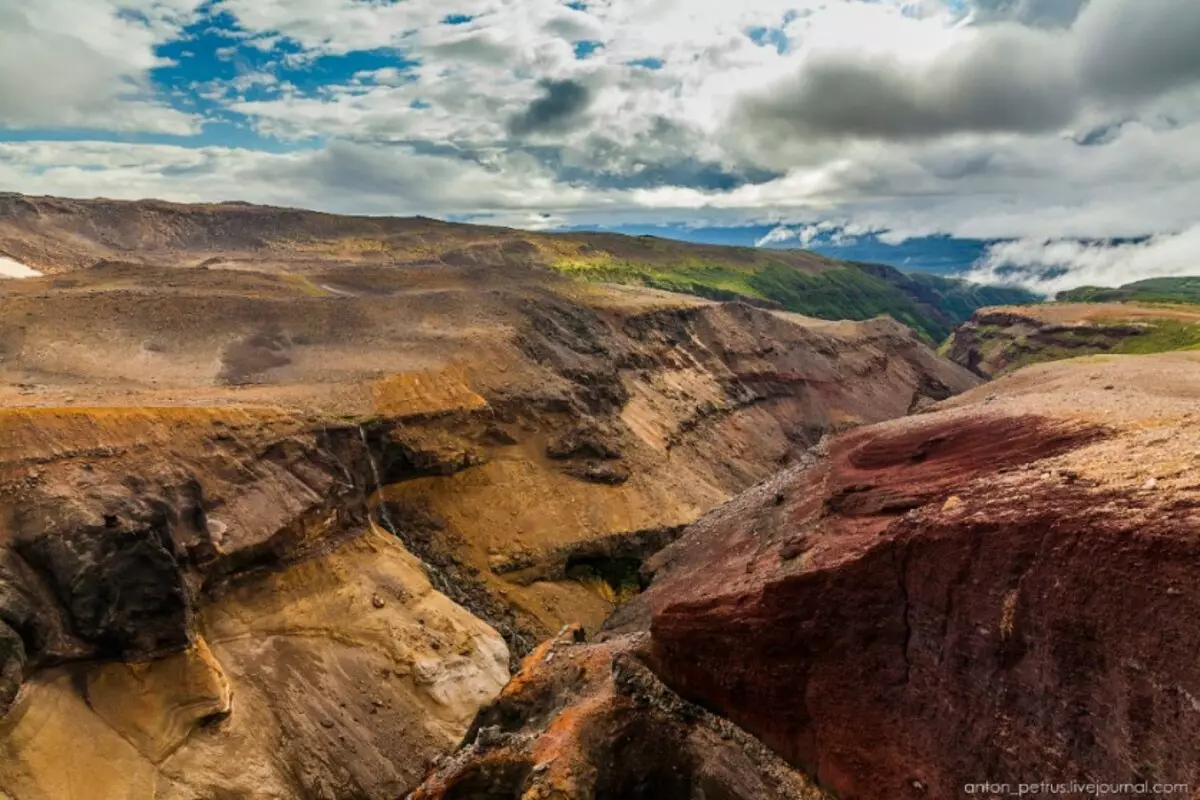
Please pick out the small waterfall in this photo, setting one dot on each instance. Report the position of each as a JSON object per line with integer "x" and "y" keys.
{"x": 384, "y": 515}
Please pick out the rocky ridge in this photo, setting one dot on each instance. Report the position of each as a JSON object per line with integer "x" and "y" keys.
{"x": 333, "y": 254}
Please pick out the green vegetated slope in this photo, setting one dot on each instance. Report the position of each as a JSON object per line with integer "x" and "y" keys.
{"x": 998, "y": 341}
{"x": 796, "y": 280}
{"x": 1154, "y": 290}
{"x": 1154, "y": 336}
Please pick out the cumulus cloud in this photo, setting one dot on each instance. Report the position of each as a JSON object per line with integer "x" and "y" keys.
{"x": 833, "y": 233}
{"x": 1052, "y": 266}
{"x": 80, "y": 64}
{"x": 1009, "y": 82}
{"x": 343, "y": 177}
{"x": 778, "y": 235}
{"x": 1131, "y": 50}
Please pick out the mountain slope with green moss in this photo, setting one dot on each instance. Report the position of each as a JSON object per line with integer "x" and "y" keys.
{"x": 794, "y": 280}
{"x": 1154, "y": 290}
{"x": 997, "y": 341}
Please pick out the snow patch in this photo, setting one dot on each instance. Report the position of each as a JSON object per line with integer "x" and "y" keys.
{"x": 15, "y": 269}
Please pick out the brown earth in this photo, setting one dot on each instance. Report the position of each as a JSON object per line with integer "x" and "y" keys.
{"x": 345, "y": 256}
{"x": 58, "y": 235}
{"x": 280, "y": 535}
{"x": 999, "y": 591}
{"x": 284, "y": 497}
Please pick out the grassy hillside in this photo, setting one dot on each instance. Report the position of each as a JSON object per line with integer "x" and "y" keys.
{"x": 1157, "y": 336}
{"x": 998, "y": 341}
{"x": 1154, "y": 290}
{"x": 793, "y": 280}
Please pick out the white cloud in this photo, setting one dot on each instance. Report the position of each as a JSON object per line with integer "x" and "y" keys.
{"x": 778, "y": 235}
{"x": 833, "y": 233}
{"x": 1052, "y": 266}
{"x": 342, "y": 177}
{"x": 84, "y": 64}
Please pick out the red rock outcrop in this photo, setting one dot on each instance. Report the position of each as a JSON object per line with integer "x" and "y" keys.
{"x": 1000, "y": 592}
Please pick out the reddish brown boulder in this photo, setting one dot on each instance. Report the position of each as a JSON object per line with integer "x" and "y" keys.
{"x": 977, "y": 595}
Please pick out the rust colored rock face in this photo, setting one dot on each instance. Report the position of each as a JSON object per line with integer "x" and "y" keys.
{"x": 939, "y": 602}
{"x": 592, "y": 722}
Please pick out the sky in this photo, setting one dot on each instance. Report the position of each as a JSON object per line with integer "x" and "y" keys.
{"x": 1064, "y": 135}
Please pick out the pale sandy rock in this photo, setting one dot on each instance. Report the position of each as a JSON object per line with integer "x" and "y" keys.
{"x": 300, "y": 688}
{"x": 52, "y": 746}
{"x": 156, "y": 705}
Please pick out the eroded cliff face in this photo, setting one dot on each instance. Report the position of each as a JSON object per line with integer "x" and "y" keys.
{"x": 996, "y": 592}
{"x": 261, "y": 542}
{"x": 201, "y": 606}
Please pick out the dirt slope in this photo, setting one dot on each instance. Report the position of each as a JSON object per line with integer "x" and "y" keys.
{"x": 57, "y": 235}
{"x": 327, "y": 253}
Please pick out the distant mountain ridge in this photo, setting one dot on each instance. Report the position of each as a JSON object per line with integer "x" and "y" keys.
{"x": 56, "y": 235}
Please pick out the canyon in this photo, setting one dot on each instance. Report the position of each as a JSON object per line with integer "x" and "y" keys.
{"x": 995, "y": 592}
{"x": 298, "y": 506}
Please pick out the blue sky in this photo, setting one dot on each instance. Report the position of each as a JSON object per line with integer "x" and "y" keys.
{"x": 215, "y": 60}
{"x": 1055, "y": 124}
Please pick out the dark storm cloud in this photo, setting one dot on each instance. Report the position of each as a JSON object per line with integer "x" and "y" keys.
{"x": 665, "y": 153}
{"x": 601, "y": 163}
{"x": 1046, "y": 13}
{"x": 559, "y": 109}
{"x": 1137, "y": 48}
{"x": 1008, "y": 83}
{"x": 684, "y": 172}
{"x": 1012, "y": 78}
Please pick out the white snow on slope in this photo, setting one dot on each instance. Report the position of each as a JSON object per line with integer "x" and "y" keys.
{"x": 15, "y": 269}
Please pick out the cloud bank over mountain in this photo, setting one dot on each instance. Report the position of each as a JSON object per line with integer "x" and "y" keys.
{"x": 1052, "y": 266}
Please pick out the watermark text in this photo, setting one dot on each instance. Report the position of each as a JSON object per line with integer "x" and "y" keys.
{"x": 1077, "y": 789}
